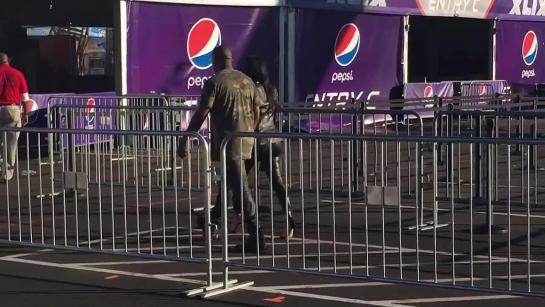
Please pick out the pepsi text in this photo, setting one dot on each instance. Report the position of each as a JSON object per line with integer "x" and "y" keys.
{"x": 530, "y": 73}
{"x": 342, "y": 77}
{"x": 197, "y": 81}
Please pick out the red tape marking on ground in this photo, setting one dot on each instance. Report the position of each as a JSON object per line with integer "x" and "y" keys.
{"x": 278, "y": 299}
{"x": 111, "y": 277}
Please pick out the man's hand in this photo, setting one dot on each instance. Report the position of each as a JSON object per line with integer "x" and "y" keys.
{"x": 24, "y": 118}
{"x": 182, "y": 148}
{"x": 26, "y": 109}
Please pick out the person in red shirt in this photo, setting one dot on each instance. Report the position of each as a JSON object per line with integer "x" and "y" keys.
{"x": 13, "y": 91}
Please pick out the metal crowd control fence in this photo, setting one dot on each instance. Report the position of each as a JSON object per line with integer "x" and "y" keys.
{"x": 153, "y": 112}
{"x": 83, "y": 204}
{"x": 146, "y": 113}
{"x": 476, "y": 89}
{"x": 355, "y": 121}
{"x": 424, "y": 107}
{"x": 87, "y": 118}
{"x": 370, "y": 118}
{"x": 137, "y": 119}
{"x": 379, "y": 237}
{"x": 521, "y": 125}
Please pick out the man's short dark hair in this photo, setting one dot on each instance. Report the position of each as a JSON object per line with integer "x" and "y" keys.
{"x": 222, "y": 52}
{"x": 4, "y": 58}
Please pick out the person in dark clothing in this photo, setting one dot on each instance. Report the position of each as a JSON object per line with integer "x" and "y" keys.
{"x": 230, "y": 98}
{"x": 269, "y": 150}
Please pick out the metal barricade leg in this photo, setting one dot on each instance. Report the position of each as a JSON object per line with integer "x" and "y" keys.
{"x": 227, "y": 285}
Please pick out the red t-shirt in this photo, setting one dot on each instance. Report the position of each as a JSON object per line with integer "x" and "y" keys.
{"x": 12, "y": 85}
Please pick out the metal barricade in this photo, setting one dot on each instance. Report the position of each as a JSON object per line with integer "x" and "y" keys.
{"x": 190, "y": 102}
{"x": 353, "y": 120}
{"x": 522, "y": 125}
{"x": 379, "y": 236}
{"x": 80, "y": 112}
{"x": 99, "y": 112}
{"x": 476, "y": 89}
{"x": 424, "y": 107}
{"x": 146, "y": 113}
{"x": 83, "y": 204}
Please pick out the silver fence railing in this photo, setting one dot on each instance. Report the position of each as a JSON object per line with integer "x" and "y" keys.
{"x": 451, "y": 203}
{"x": 121, "y": 112}
{"x": 353, "y": 121}
{"x": 476, "y": 89}
{"x": 87, "y": 118}
{"x": 143, "y": 113}
{"x": 166, "y": 118}
{"x": 523, "y": 125}
{"x": 374, "y": 232}
{"x": 422, "y": 105}
{"x": 99, "y": 112}
{"x": 84, "y": 204}
{"x": 360, "y": 119}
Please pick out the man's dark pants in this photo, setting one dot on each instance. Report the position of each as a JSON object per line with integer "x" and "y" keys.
{"x": 237, "y": 183}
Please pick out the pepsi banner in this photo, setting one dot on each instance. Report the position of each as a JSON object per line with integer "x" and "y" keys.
{"x": 484, "y": 9}
{"x": 425, "y": 90}
{"x": 170, "y": 45}
{"x": 446, "y": 89}
{"x": 428, "y": 90}
{"x": 417, "y": 93}
{"x": 342, "y": 56}
{"x": 520, "y": 48}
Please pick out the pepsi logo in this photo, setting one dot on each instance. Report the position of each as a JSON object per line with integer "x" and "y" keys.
{"x": 428, "y": 92}
{"x": 89, "y": 111}
{"x": 529, "y": 48}
{"x": 203, "y": 37}
{"x": 482, "y": 90}
{"x": 347, "y": 44}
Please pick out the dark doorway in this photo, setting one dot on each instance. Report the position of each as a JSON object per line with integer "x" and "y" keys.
{"x": 62, "y": 45}
{"x": 448, "y": 48}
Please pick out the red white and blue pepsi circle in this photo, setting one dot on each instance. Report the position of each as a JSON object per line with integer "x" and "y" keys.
{"x": 89, "y": 111}
{"x": 529, "y": 48}
{"x": 204, "y": 36}
{"x": 482, "y": 90}
{"x": 428, "y": 92}
{"x": 347, "y": 44}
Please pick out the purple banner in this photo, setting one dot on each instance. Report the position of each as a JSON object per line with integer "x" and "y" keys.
{"x": 428, "y": 90}
{"x": 351, "y": 56}
{"x": 170, "y": 46}
{"x": 417, "y": 91}
{"x": 505, "y": 9}
{"x": 446, "y": 89}
{"x": 520, "y": 48}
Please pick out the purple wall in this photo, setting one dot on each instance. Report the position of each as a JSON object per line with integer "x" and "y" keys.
{"x": 324, "y": 71}
{"x": 158, "y": 49}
